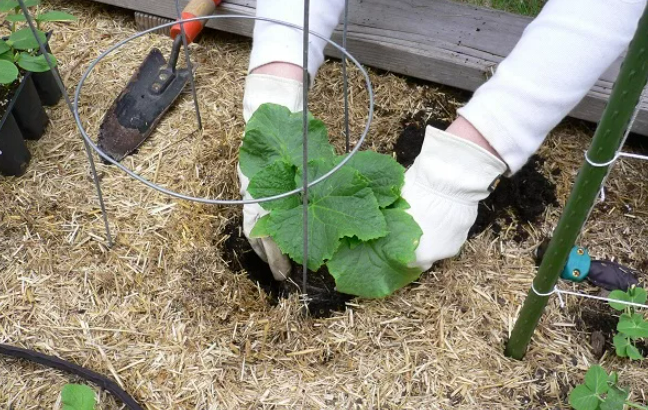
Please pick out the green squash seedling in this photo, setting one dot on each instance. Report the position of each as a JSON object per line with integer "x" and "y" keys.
{"x": 357, "y": 222}
{"x": 601, "y": 391}
{"x": 77, "y": 397}
{"x": 21, "y": 48}
{"x": 632, "y": 325}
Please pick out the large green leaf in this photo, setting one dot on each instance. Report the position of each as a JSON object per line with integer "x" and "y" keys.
{"x": 582, "y": 398}
{"x": 15, "y": 17}
{"x": 621, "y": 343}
{"x": 4, "y": 47}
{"x": 377, "y": 268}
{"x": 24, "y": 39}
{"x": 633, "y": 326}
{"x": 260, "y": 229}
{"x": 638, "y": 295}
{"x": 615, "y": 399}
{"x": 385, "y": 176}
{"x": 619, "y": 295}
{"x": 8, "y": 72}
{"x": 400, "y": 203}
{"x": 342, "y": 205}
{"x": 77, "y": 397}
{"x": 35, "y": 64}
{"x": 275, "y": 179}
{"x": 633, "y": 353}
{"x": 7, "y": 56}
{"x": 7, "y": 5}
{"x": 273, "y": 133}
{"x": 56, "y": 16}
{"x": 596, "y": 379}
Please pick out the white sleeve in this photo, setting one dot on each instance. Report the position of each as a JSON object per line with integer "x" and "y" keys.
{"x": 277, "y": 43}
{"x": 560, "y": 56}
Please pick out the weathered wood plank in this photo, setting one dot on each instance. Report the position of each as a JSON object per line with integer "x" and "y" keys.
{"x": 440, "y": 41}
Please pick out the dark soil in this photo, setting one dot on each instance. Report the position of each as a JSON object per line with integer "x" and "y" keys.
{"x": 522, "y": 197}
{"x": 525, "y": 195}
{"x": 637, "y": 143}
{"x": 322, "y": 296}
{"x": 241, "y": 258}
{"x": 599, "y": 319}
{"x": 409, "y": 143}
{"x": 6, "y": 94}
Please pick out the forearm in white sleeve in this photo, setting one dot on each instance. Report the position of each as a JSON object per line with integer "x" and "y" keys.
{"x": 559, "y": 58}
{"x": 276, "y": 43}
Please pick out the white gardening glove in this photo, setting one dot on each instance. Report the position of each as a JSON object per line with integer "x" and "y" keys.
{"x": 261, "y": 89}
{"x": 443, "y": 187}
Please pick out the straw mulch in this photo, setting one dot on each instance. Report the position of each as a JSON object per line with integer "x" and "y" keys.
{"x": 163, "y": 314}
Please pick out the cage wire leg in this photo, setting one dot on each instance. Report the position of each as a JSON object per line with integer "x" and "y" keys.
{"x": 59, "y": 83}
{"x": 601, "y": 154}
{"x": 345, "y": 79}
{"x": 306, "y": 88}
{"x": 192, "y": 81}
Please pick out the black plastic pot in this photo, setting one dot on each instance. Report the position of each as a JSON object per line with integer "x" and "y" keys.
{"x": 14, "y": 155}
{"x": 49, "y": 92}
{"x": 25, "y": 118}
{"x": 29, "y": 112}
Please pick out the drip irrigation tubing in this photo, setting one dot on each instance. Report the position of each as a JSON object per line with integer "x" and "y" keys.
{"x": 73, "y": 369}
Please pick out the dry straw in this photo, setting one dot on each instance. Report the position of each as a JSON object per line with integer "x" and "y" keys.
{"x": 165, "y": 316}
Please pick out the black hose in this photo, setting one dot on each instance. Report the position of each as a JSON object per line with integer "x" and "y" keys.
{"x": 69, "y": 367}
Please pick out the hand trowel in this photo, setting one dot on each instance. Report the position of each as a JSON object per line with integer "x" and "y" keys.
{"x": 152, "y": 89}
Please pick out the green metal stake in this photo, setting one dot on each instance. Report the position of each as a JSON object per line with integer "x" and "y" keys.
{"x": 607, "y": 141}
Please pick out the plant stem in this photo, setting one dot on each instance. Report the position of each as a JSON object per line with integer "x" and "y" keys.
{"x": 13, "y": 23}
{"x": 607, "y": 141}
{"x": 636, "y": 405}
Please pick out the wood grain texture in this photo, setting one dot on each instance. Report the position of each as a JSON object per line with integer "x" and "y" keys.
{"x": 200, "y": 7}
{"x": 436, "y": 40}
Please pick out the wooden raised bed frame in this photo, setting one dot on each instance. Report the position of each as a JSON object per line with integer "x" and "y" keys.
{"x": 435, "y": 40}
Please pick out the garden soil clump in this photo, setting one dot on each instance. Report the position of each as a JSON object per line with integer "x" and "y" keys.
{"x": 167, "y": 313}
{"x": 323, "y": 299}
{"x": 524, "y": 196}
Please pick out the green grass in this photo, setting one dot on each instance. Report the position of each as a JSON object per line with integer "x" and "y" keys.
{"x": 523, "y": 7}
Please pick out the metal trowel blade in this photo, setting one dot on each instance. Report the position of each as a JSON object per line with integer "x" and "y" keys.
{"x": 136, "y": 112}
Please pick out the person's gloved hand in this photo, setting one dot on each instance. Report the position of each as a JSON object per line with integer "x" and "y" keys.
{"x": 443, "y": 187}
{"x": 261, "y": 89}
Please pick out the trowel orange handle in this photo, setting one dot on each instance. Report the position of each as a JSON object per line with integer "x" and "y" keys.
{"x": 195, "y": 8}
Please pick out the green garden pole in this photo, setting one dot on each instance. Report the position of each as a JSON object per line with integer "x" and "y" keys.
{"x": 601, "y": 154}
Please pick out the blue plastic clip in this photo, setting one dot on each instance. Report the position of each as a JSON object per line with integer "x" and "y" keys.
{"x": 578, "y": 265}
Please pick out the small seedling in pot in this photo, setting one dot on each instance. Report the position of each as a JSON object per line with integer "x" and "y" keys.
{"x": 632, "y": 325}
{"x": 77, "y": 397}
{"x": 357, "y": 222}
{"x": 20, "y": 49}
{"x": 601, "y": 391}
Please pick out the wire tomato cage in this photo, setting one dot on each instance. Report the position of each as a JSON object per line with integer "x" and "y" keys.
{"x": 91, "y": 147}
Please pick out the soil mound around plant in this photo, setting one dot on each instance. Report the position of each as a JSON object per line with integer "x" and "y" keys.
{"x": 518, "y": 200}
{"x": 324, "y": 300}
